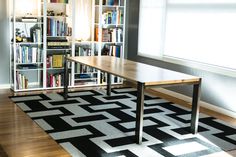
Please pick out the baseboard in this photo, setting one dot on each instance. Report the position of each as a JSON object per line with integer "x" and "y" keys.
{"x": 5, "y": 86}
{"x": 202, "y": 103}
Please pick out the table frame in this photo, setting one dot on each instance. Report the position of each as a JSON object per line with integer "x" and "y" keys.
{"x": 140, "y": 100}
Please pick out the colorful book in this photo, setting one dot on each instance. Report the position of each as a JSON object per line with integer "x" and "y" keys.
{"x": 57, "y": 61}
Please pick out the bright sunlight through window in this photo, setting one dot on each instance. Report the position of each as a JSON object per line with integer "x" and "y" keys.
{"x": 203, "y": 31}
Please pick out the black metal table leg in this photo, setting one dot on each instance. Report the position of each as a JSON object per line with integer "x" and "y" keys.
{"x": 108, "y": 84}
{"x": 66, "y": 79}
{"x": 139, "y": 113}
{"x": 195, "y": 107}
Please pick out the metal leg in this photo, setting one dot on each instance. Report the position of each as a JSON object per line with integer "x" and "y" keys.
{"x": 139, "y": 113}
{"x": 66, "y": 79}
{"x": 108, "y": 84}
{"x": 195, "y": 107}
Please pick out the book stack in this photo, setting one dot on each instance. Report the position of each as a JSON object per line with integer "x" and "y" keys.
{"x": 57, "y": 27}
{"x": 54, "y": 80}
{"x": 106, "y": 35}
{"x": 21, "y": 81}
{"x": 112, "y": 17}
{"x": 57, "y": 43}
{"x": 112, "y": 35}
{"x": 113, "y": 50}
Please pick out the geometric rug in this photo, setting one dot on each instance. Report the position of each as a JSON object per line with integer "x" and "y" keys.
{"x": 92, "y": 124}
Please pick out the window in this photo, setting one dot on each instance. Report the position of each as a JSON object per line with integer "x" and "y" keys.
{"x": 203, "y": 31}
{"x": 151, "y": 27}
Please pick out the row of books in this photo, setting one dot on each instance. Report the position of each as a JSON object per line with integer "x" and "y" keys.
{"x": 112, "y": 17}
{"x": 112, "y": 50}
{"x": 81, "y": 51}
{"x": 79, "y": 68}
{"x": 55, "y": 61}
{"x": 37, "y": 35}
{"x": 112, "y": 35}
{"x": 55, "y": 80}
{"x": 21, "y": 81}
{"x": 57, "y": 1}
{"x": 28, "y": 54}
{"x": 58, "y": 27}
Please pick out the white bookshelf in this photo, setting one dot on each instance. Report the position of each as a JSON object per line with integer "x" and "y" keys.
{"x": 34, "y": 72}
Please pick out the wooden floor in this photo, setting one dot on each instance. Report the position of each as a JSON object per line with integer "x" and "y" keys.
{"x": 21, "y": 137}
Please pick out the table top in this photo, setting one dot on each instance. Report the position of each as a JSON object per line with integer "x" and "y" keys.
{"x": 135, "y": 71}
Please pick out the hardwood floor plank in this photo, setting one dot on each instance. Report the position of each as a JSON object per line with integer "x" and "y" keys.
{"x": 20, "y": 136}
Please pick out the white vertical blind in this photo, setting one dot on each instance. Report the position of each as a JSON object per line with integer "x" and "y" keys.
{"x": 202, "y": 32}
{"x": 197, "y": 30}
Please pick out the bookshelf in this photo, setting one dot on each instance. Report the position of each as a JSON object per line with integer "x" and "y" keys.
{"x": 59, "y": 36}
{"x": 109, "y": 30}
{"x": 26, "y": 45}
{"x": 43, "y": 32}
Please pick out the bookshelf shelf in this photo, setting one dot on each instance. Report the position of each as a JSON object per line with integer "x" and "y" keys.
{"x": 29, "y": 69}
{"x": 55, "y": 68}
{"x": 42, "y": 35}
{"x": 29, "y": 43}
{"x": 59, "y": 49}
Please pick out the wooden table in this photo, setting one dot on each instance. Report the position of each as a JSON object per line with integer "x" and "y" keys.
{"x": 145, "y": 76}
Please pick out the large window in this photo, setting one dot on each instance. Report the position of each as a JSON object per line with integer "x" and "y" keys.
{"x": 151, "y": 25}
{"x": 203, "y": 31}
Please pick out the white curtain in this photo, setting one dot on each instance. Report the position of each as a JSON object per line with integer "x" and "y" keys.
{"x": 83, "y": 19}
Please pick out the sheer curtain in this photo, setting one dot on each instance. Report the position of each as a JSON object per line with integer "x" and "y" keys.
{"x": 83, "y": 19}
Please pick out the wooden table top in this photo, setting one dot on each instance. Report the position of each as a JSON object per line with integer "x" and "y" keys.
{"x": 135, "y": 71}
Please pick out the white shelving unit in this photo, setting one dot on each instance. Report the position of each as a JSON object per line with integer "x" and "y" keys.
{"x": 35, "y": 24}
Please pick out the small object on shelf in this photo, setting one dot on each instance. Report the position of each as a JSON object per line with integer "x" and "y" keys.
{"x": 29, "y": 19}
{"x": 50, "y": 13}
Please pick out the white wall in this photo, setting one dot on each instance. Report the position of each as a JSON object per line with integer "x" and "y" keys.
{"x": 4, "y": 45}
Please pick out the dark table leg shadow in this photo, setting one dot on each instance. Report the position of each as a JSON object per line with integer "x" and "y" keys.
{"x": 195, "y": 107}
{"x": 66, "y": 78}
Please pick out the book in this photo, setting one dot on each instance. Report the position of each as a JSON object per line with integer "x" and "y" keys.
{"x": 57, "y": 61}
{"x": 96, "y": 33}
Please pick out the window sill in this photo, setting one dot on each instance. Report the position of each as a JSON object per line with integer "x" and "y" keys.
{"x": 201, "y": 66}
{"x": 193, "y": 64}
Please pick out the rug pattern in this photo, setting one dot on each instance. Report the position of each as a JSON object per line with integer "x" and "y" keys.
{"x": 92, "y": 124}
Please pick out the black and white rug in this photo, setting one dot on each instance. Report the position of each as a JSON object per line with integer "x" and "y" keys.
{"x": 92, "y": 124}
